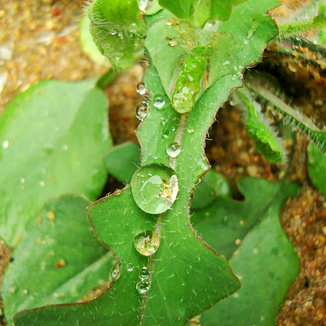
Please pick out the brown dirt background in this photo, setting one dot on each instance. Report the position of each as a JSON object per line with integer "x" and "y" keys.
{"x": 229, "y": 149}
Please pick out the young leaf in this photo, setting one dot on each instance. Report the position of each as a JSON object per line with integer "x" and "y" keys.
{"x": 265, "y": 262}
{"x": 258, "y": 127}
{"x": 58, "y": 152}
{"x": 295, "y": 117}
{"x": 231, "y": 45}
{"x": 117, "y": 30}
{"x": 317, "y": 167}
{"x": 199, "y": 11}
{"x": 58, "y": 260}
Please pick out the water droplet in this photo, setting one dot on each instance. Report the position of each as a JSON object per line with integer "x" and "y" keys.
{"x": 141, "y": 111}
{"x": 130, "y": 267}
{"x": 114, "y": 272}
{"x": 5, "y": 144}
{"x": 142, "y": 286}
{"x": 42, "y": 183}
{"x": 246, "y": 41}
{"x": 173, "y": 150}
{"x": 145, "y": 5}
{"x": 65, "y": 147}
{"x": 190, "y": 130}
{"x": 158, "y": 101}
{"x": 146, "y": 243}
{"x": 227, "y": 62}
{"x": 154, "y": 188}
{"x": 22, "y": 180}
{"x": 144, "y": 273}
{"x": 141, "y": 88}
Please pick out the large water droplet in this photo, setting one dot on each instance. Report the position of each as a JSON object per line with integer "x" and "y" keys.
{"x": 142, "y": 286}
{"x": 154, "y": 188}
{"x": 144, "y": 273}
{"x": 141, "y": 111}
{"x": 141, "y": 88}
{"x": 173, "y": 149}
{"x": 145, "y": 4}
{"x": 146, "y": 243}
{"x": 158, "y": 101}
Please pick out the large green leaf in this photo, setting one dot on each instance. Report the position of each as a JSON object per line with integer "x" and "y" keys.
{"x": 263, "y": 257}
{"x": 52, "y": 140}
{"x": 180, "y": 286}
{"x": 317, "y": 167}
{"x": 59, "y": 260}
{"x": 117, "y": 30}
{"x": 199, "y": 11}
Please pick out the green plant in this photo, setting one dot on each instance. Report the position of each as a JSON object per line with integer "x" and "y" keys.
{"x": 162, "y": 272}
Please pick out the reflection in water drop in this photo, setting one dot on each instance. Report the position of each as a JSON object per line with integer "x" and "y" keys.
{"x": 144, "y": 273}
{"x": 142, "y": 286}
{"x": 154, "y": 188}
{"x": 130, "y": 267}
{"x": 114, "y": 273}
{"x": 158, "y": 101}
{"x": 141, "y": 88}
{"x": 141, "y": 111}
{"x": 145, "y": 5}
{"x": 173, "y": 149}
{"x": 146, "y": 243}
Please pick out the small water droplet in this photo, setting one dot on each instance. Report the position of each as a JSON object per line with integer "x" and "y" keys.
{"x": 145, "y": 5}
{"x": 25, "y": 292}
{"x": 65, "y": 147}
{"x": 246, "y": 41}
{"x": 42, "y": 183}
{"x": 227, "y": 62}
{"x": 154, "y": 188}
{"x": 5, "y": 144}
{"x": 142, "y": 286}
{"x": 141, "y": 111}
{"x": 130, "y": 267}
{"x": 173, "y": 149}
{"x": 144, "y": 273}
{"x": 159, "y": 101}
{"x": 22, "y": 180}
{"x": 190, "y": 130}
{"x": 114, "y": 272}
{"x": 146, "y": 243}
{"x": 141, "y": 88}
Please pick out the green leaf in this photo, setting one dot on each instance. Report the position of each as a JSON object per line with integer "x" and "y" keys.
{"x": 117, "y": 30}
{"x": 87, "y": 44}
{"x": 58, "y": 260}
{"x": 122, "y": 161}
{"x": 211, "y": 186}
{"x": 47, "y": 149}
{"x": 258, "y": 127}
{"x": 199, "y": 11}
{"x": 291, "y": 116}
{"x": 317, "y": 167}
{"x": 265, "y": 262}
{"x": 180, "y": 286}
{"x": 231, "y": 46}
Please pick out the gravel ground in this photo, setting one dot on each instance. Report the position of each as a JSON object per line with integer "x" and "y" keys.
{"x": 39, "y": 40}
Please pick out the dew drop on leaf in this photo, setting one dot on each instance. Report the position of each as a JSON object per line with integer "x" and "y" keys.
{"x": 173, "y": 149}
{"x": 130, "y": 267}
{"x": 158, "y": 101}
{"x": 141, "y": 111}
{"x": 144, "y": 273}
{"x": 145, "y": 4}
{"x": 141, "y": 88}
{"x": 142, "y": 286}
{"x": 114, "y": 273}
{"x": 154, "y": 188}
{"x": 146, "y": 243}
